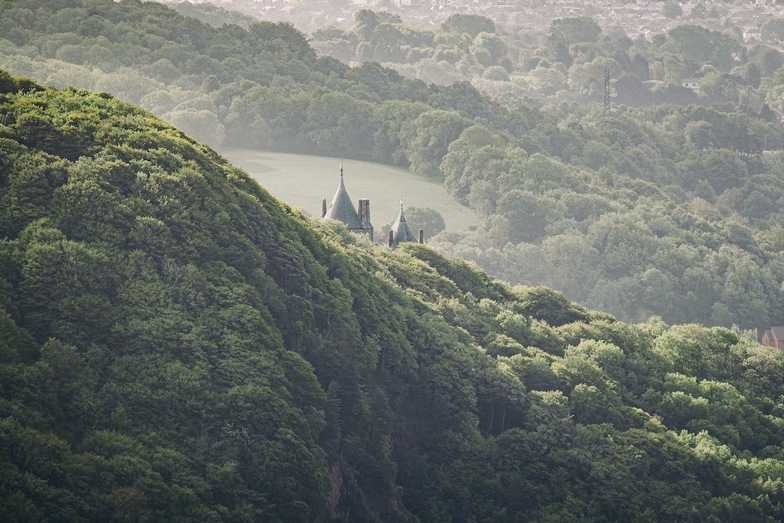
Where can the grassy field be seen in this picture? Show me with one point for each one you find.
(302, 181)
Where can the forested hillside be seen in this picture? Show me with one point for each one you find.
(177, 346)
(670, 210)
(654, 208)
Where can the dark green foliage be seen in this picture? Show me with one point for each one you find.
(468, 279)
(177, 345)
(673, 190)
(428, 220)
(574, 30)
(550, 306)
(469, 24)
(132, 262)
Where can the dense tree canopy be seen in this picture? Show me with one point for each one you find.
(177, 345)
(668, 204)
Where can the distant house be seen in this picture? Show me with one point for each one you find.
(691, 83)
(774, 337)
(753, 34)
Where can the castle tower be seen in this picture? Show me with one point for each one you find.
(342, 210)
(363, 213)
(400, 231)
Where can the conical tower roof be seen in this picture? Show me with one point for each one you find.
(400, 230)
(341, 208)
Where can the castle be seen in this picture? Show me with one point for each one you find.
(358, 221)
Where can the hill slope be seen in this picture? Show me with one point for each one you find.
(666, 210)
(177, 345)
(287, 175)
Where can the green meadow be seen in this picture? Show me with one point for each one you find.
(302, 181)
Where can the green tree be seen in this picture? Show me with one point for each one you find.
(471, 25)
(700, 46)
(672, 10)
(528, 214)
(339, 123)
(494, 47)
(567, 31)
(721, 168)
(473, 157)
(772, 30)
(391, 116)
(426, 140)
(427, 219)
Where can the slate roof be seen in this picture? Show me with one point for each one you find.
(342, 209)
(400, 230)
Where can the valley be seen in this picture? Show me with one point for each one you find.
(303, 180)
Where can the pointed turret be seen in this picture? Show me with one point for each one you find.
(342, 209)
(400, 231)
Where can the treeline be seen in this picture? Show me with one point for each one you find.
(655, 223)
(567, 61)
(177, 345)
(668, 210)
(262, 87)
